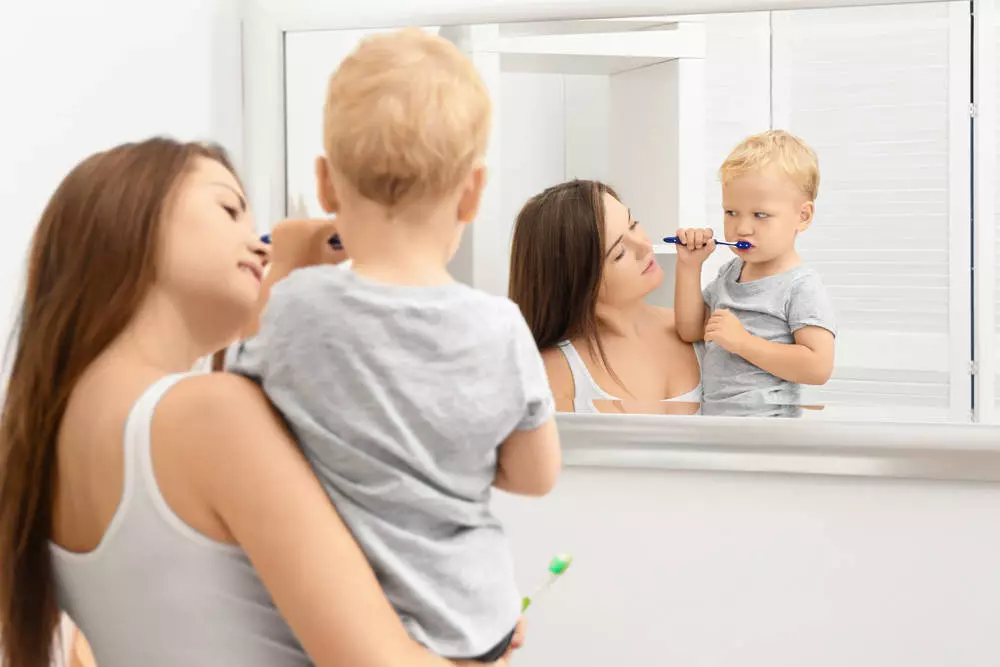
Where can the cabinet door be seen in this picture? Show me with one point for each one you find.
(882, 94)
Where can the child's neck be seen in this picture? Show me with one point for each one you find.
(408, 247)
(772, 267)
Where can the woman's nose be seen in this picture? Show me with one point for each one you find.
(262, 250)
(643, 249)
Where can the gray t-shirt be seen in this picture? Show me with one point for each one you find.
(400, 397)
(773, 308)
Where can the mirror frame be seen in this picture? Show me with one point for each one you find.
(745, 444)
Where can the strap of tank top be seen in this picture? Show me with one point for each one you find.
(142, 475)
(137, 427)
(586, 388)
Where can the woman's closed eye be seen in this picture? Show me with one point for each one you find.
(233, 212)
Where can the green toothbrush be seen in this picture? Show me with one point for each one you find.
(557, 566)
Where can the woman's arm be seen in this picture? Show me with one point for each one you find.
(247, 469)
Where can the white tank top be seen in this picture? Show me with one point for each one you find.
(586, 391)
(157, 593)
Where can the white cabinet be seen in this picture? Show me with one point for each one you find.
(619, 101)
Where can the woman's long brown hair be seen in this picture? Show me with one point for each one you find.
(557, 262)
(91, 264)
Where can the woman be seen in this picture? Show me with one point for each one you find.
(166, 538)
(580, 268)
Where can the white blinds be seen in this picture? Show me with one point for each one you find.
(881, 93)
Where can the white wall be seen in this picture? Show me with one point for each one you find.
(749, 570)
(78, 77)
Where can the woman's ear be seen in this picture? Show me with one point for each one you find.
(325, 191)
(472, 195)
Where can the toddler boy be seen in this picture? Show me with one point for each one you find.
(766, 319)
(411, 394)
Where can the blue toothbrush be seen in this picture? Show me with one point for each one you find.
(741, 245)
(334, 241)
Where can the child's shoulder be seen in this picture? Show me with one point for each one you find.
(494, 303)
(805, 278)
(306, 282)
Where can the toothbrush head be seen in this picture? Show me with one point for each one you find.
(560, 564)
(333, 241)
(743, 245)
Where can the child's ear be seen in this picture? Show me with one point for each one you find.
(325, 191)
(472, 195)
(806, 215)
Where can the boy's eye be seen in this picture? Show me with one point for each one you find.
(760, 216)
(731, 214)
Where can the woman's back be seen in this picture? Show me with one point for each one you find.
(155, 591)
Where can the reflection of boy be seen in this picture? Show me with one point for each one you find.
(767, 319)
(412, 394)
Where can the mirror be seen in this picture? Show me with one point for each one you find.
(653, 105)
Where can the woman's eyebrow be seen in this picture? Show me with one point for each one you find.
(243, 202)
(614, 245)
(619, 239)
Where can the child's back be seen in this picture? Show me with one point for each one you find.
(412, 395)
(399, 397)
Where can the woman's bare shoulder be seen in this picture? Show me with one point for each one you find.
(666, 317)
(213, 438)
(213, 397)
(221, 413)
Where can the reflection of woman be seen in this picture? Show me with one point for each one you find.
(200, 536)
(580, 269)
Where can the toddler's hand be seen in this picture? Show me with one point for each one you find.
(296, 244)
(726, 329)
(696, 245)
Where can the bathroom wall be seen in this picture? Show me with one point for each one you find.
(752, 570)
(76, 77)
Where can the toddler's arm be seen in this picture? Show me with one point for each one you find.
(529, 460)
(809, 360)
(689, 304)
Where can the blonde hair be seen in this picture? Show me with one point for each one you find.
(778, 148)
(406, 116)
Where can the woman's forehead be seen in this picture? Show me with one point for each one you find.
(616, 214)
(207, 171)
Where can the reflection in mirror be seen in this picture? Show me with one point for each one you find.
(652, 106)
